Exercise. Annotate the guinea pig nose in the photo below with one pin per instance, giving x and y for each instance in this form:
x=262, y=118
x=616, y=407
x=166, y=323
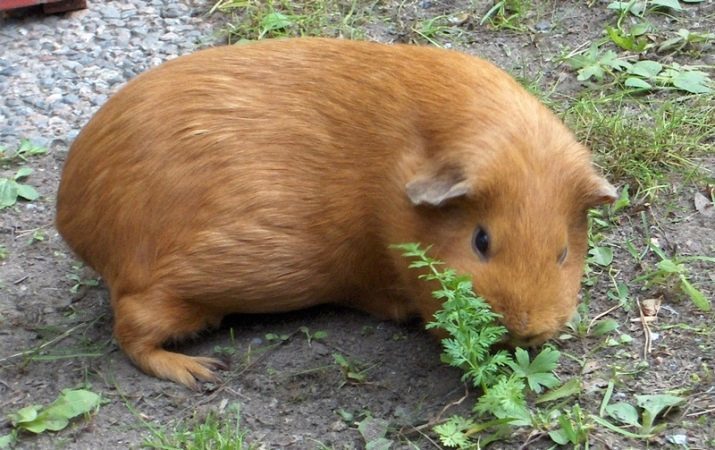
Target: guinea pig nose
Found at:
x=530, y=337
x=529, y=340
x=536, y=338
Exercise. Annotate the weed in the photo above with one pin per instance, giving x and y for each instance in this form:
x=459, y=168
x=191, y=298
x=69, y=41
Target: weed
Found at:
x=22, y=153
x=472, y=332
x=436, y=29
x=573, y=427
x=373, y=432
x=539, y=372
x=228, y=350
x=11, y=190
x=639, y=8
x=54, y=417
x=3, y=252
x=595, y=63
x=38, y=235
x=508, y=14
x=640, y=142
x=651, y=406
x=254, y=19
x=632, y=39
x=210, y=432
x=318, y=335
x=277, y=338
x=672, y=273
x=685, y=38
x=353, y=372
x=645, y=74
x=79, y=281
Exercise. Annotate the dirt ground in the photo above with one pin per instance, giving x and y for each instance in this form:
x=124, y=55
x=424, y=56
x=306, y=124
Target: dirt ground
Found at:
x=291, y=392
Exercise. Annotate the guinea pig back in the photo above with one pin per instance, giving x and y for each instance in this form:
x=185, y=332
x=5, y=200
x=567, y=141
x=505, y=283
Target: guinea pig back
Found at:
x=275, y=175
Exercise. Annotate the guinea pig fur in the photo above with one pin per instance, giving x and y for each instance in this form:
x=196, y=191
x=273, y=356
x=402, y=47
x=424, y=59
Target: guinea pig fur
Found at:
x=274, y=176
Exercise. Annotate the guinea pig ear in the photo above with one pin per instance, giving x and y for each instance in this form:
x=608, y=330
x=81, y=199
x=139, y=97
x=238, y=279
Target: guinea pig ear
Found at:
x=437, y=187
x=601, y=192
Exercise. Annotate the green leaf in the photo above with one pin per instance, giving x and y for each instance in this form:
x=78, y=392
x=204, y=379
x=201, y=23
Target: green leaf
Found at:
x=604, y=327
x=603, y=422
x=26, y=414
x=624, y=41
x=28, y=148
x=379, y=444
x=672, y=4
x=669, y=266
x=546, y=361
x=611, y=59
x=56, y=416
x=655, y=404
x=23, y=172
x=505, y=400
x=373, y=431
x=571, y=387
x=8, y=192
x=671, y=43
x=693, y=81
x=452, y=433
x=637, y=83
x=602, y=256
x=591, y=71
x=640, y=29
x=320, y=334
x=624, y=200
x=628, y=40
x=624, y=412
x=72, y=403
x=635, y=8
x=340, y=360
x=559, y=436
x=45, y=423
x=275, y=21
x=695, y=295
x=6, y=441
x=646, y=68
x=27, y=192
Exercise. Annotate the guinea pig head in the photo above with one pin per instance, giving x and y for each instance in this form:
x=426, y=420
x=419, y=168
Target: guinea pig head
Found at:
x=513, y=216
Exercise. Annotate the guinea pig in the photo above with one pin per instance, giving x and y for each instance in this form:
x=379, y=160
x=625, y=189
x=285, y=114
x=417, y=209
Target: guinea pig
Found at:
x=275, y=175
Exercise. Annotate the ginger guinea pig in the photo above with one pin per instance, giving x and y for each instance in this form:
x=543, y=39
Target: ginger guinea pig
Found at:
x=274, y=176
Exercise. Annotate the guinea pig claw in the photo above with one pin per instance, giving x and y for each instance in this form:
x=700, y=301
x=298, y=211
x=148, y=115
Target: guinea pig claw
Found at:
x=182, y=369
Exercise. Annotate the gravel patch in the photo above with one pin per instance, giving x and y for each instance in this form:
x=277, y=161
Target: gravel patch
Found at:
x=57, y=70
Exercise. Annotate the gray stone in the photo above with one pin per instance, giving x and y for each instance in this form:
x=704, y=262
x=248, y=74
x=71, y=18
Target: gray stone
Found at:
x=110, y=12
x=123, y=36
x=70, y=99
x=99, y=100
x=171, y=12
x=72, y=134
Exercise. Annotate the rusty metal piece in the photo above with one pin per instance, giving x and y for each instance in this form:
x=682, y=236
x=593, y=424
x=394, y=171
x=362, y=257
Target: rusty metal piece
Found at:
x=63, y=6
x=48, y=6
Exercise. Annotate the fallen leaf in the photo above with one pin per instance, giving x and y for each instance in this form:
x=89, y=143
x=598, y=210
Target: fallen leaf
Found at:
x=704, y=205
x=458, y=19
x=651, y=307
x=590, y=366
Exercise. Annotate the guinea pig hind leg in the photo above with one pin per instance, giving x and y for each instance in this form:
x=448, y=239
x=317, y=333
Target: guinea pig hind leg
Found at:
x=145, y=321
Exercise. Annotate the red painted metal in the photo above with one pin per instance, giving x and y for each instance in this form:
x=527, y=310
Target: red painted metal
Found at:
x=49, y=6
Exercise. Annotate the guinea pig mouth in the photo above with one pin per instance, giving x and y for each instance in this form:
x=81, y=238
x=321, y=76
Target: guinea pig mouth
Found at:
x=532, y=340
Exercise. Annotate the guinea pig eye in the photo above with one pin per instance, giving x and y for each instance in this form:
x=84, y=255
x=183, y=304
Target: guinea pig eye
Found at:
x=481, y=242
x=562, y=255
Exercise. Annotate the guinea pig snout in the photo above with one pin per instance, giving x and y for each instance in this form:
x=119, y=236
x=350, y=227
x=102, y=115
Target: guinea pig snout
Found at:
x=528, y=329
x=531, y=340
